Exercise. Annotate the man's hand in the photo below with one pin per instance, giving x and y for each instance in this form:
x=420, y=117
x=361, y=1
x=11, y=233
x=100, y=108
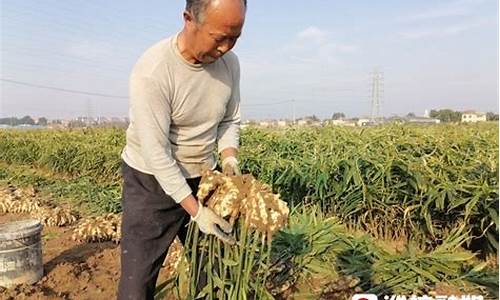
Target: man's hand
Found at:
x=230, y=166
x=207, y=221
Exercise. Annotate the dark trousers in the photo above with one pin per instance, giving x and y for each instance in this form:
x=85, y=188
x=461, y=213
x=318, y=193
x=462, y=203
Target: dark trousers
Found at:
x=150, y=221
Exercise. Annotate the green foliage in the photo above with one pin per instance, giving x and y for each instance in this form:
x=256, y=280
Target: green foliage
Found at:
x=393, y=181
x=415, y=182
x=434, y=185
x=446, y=115
x=13, y=121
x=82, y=192
x=491, y=116
x=92, y=153
x=216, y=270
x=313, y=246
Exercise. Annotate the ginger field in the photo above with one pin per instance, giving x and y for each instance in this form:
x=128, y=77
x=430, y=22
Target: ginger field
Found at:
x=388, y=210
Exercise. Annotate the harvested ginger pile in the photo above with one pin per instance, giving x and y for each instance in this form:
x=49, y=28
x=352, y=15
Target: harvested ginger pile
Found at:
x=243, y=197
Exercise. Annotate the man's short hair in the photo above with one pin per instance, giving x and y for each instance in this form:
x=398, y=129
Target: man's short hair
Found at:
x=198, y=7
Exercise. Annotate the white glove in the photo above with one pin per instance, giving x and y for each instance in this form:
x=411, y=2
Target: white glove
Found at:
x=230, y=166
x=207, y=221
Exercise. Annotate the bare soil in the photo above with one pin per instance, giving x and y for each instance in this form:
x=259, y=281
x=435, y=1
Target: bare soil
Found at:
x=72, y=270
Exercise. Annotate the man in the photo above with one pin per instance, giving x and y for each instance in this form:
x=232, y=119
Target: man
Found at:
x=184, y=102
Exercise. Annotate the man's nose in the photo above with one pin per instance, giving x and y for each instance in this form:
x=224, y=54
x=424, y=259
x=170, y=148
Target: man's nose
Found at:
x=225, y=46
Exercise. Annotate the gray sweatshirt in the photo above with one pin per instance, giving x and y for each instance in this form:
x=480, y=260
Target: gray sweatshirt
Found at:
x=178, y=112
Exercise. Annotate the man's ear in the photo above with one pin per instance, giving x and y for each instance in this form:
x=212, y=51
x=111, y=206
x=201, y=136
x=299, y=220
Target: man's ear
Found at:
x=188, y=18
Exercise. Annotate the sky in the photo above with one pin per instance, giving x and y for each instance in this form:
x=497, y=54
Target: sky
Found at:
x=298, y=58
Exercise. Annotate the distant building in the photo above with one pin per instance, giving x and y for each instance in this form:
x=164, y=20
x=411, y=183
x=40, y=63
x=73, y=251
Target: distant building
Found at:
x=117, y=120
x=335, y=122
x=395, y=120
x=343, y=122
x=363, y=122
x=248, y=123
x=101, y=120
x=422, y=120
x=27, y=126
x=265, y=123
x=302, y=122
x=309, y=121
x=470, y=116
x=283, y=123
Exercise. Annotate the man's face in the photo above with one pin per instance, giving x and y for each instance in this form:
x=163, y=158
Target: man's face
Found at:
x=217, y=33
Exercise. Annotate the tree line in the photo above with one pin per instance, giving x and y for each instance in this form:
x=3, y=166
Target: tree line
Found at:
x=26, y=120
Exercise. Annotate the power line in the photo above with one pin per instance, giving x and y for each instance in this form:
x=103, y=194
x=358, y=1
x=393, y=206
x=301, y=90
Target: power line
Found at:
x=77, y=24
x=267, y=104
x=334, y=99
x=62, y=89
x=100, y=64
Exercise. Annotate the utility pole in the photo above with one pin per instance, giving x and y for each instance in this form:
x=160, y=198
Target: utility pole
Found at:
x=377, y=89
x=293, y=111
